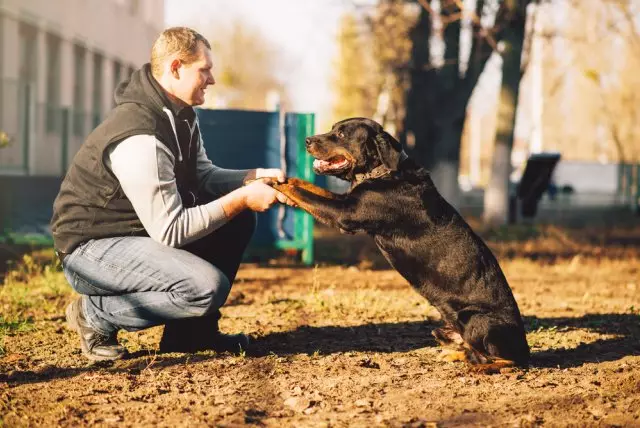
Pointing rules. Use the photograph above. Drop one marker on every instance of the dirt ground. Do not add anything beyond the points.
(347, 343)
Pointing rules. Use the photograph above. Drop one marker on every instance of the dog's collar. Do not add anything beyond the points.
(377, 172)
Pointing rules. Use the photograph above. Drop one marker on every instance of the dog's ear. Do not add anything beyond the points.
(389, 150)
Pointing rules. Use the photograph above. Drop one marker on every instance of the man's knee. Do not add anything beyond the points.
(206, 293)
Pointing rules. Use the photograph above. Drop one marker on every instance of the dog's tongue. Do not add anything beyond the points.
(324, 165)
(321, 164)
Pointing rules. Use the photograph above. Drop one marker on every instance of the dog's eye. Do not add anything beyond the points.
(340, 134)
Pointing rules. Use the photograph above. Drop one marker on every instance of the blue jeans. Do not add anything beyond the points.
(132, 283)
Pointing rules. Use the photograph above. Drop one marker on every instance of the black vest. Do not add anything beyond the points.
(91, 203)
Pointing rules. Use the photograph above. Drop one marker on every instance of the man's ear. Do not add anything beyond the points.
(389, 150)
(175, 67)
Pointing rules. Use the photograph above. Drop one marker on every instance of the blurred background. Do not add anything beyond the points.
(476, 90)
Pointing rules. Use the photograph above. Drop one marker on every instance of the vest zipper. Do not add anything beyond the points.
(175, 131)
(190, 132)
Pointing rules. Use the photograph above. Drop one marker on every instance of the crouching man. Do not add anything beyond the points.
(149, 231)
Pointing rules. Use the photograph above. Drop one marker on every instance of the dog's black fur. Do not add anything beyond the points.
(421, 235)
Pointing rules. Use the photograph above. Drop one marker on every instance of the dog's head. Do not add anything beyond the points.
(353, 147)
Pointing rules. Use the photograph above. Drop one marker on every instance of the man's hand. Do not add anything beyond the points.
(260, 196)
(265, 173)
(267, 176)
(256, 194)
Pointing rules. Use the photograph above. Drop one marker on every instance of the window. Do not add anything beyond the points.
(79, 57)
(117, 77)
(53, 83)
(27, 53)
(97, 89)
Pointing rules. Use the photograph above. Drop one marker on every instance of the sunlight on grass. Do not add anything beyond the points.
(364, 303)
(554, 338)
(33, 288)
(11, 327)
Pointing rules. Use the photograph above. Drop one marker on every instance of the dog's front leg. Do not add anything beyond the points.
(312, 188)
(329, 208)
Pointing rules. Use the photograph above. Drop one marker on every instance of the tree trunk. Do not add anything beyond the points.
(496, 198)
(437, 101)
(445, 172)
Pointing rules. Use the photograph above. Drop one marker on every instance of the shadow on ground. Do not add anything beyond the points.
(625, 327)
(382, 338)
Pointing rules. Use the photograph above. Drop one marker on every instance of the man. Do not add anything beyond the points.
(148, 230)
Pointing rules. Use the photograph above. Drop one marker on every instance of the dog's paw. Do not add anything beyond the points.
(451, 355)
(285, 188)
(293, 181)
(492, 367)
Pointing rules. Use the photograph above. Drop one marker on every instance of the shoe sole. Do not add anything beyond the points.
(73, 325)
(71, 319)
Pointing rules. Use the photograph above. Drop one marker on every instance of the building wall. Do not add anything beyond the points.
(60, 62)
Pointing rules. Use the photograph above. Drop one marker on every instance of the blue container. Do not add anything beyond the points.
(239, 139)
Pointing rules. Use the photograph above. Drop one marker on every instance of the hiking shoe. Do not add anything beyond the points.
(95, 345)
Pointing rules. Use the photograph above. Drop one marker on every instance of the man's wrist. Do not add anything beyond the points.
(251, 175)
(234, 202)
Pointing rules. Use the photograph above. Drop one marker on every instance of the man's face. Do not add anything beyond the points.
(191, 80)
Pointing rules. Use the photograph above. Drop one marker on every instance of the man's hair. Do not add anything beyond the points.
(176, 40)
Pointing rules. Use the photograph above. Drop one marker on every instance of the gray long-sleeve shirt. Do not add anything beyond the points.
(145, 169)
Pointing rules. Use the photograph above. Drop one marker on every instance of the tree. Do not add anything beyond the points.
(355, 72)
(372, 78)
(390, 24)
(247, 66)
(440, 87)
(615, 74)
(512, 38)
(591, 86)
(422, 91)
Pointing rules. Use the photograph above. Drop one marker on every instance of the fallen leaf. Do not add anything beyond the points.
(14, 357)
(363, 402)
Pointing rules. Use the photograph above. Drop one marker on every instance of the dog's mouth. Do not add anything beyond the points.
(332, 165)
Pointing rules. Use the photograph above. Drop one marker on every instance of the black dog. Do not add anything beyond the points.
(421, 235)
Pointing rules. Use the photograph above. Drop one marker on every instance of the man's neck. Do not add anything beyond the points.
(175, 100)
(178, 104)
